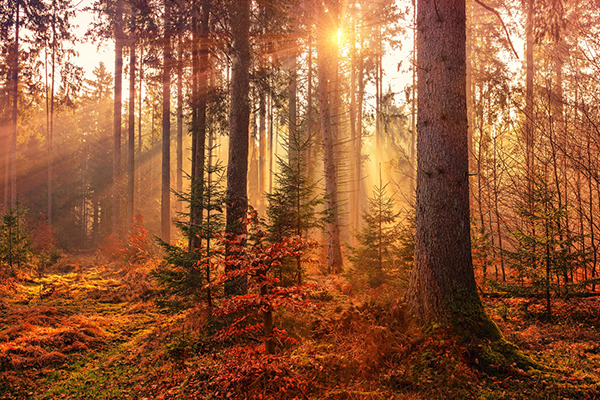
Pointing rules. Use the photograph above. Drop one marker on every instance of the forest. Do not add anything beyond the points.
(299, 199)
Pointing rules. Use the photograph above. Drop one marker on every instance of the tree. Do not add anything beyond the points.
(15, 246)
(292, 209)
(97, 107)
(165, 203)
(327, 65)
(200, 64)
(15, 110)
(382, 251)
(131, 131)
(239, 117)
(549, 251)
(442, 287)
(186, 270)
(119, 39)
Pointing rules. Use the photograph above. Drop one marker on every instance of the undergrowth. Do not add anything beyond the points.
(98, 335)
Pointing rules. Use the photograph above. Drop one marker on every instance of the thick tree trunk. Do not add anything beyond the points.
(165, 203)
(324, 56)
(239, 117)
(117, 116)
(131, 135)
(442, 286)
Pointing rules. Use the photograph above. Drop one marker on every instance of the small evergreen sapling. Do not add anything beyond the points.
(385, 245)
(293, 204)
(545, 251)
(15, 246)
(187, 269)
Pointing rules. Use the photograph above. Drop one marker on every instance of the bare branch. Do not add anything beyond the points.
(490, 9)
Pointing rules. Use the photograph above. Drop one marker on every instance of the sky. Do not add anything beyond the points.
(90, 54)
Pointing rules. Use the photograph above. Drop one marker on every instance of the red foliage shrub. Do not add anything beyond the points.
(252, 256)
(138, 247)
(249, 373)
(111, 247)
(43, 236)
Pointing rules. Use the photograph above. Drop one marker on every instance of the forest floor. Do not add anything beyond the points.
(89, 330)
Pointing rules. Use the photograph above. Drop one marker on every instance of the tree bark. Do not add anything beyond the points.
(239, 117)
(442, 286)
(117, 116)
(179, 173)
(51, 126)
(528, 126)
(131, 135)
(324, 57)
(292, 93)
(199, 100)
(15, 113)
(165, 203)
(140, 101)
(355, 183)
(262, 151)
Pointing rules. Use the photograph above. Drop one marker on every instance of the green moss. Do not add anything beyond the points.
(488, 346)
(501, 355)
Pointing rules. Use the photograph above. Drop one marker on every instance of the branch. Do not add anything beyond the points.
(490, 9)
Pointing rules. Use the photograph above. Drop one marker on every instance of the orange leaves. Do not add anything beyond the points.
(259, 376)
(252, 256)
(138, 247)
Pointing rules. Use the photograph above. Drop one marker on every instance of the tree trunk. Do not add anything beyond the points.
(309, 97)
(324, 57)
(267, 314)
(117, 116)
(199, 99)
(470, 85)
(131, 136)
(262, 148)
(140, 102)
(179, 173)
(528, 126)
(354, 182)
(361, 194)
(442, 286)
(165, 203)
(239, 117)
(51, 126)
(292, 92)
(95, 221)
(15, 113)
